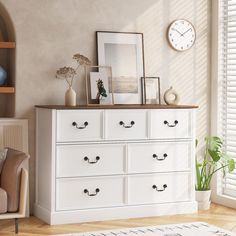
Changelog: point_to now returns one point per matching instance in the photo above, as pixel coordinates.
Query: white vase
(70, 97)
(203, 199)
(171, 97)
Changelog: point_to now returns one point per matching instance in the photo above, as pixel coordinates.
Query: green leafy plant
(214, 160)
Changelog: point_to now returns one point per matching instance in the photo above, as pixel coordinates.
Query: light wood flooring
(218, 215)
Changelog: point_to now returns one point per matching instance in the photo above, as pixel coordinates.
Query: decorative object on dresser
(181, 35)
(124, 52)
(151, 90)
(171, 97)
(89, 152)
(214, 160)
(99, 89)
(68, 73)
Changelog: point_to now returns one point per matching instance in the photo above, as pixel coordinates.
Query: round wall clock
(181, 35)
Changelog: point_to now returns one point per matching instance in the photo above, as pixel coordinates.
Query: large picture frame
(124, 52)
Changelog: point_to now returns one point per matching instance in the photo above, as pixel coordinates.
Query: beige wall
(49, 32)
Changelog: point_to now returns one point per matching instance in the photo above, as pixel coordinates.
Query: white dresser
(114, 162)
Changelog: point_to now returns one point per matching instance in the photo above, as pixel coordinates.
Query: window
(227, 89)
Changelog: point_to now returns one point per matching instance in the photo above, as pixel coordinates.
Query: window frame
(216, 185)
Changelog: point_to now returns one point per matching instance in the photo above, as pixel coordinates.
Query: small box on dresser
(113, 162)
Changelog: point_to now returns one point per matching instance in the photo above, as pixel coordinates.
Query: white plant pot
(203, 199)
(70, 97)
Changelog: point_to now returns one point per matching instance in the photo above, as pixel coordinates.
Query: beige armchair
(14, 186)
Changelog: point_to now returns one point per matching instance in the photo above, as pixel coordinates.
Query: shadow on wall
(188, 71)
(53, 47)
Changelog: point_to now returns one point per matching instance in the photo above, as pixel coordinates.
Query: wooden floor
(218, 215)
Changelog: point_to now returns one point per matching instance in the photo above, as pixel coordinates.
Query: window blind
(228, 88)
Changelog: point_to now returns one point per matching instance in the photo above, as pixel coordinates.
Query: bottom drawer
(79, 193)
(159, 188)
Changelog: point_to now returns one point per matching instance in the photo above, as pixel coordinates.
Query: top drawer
(171, 124)
(79, 125)
(126, 124)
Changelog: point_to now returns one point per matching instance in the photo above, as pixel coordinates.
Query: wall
(49, 32)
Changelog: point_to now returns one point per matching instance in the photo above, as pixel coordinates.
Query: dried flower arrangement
(68, 73)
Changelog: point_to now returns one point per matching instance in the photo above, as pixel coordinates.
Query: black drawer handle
(159, 190)
(86, 191)
(92, 162)
(80, 127)
(127, 126)
(160, 158)
(167, 123)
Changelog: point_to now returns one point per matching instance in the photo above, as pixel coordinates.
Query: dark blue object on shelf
(3, 76)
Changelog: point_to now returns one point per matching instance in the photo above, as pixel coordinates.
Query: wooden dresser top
(125, 106)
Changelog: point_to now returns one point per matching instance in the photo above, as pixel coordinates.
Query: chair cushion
(3, 201)
(10, 177)
(3, 154)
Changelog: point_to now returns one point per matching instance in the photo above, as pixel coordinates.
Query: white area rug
(188, 229)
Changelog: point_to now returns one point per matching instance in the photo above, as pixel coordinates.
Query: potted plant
(214, 160)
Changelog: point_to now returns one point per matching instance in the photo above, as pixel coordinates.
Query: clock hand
(178, 32)
(186, 31)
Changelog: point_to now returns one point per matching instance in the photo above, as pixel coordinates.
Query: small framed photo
(99, 89)
(124, 52)
(151, 90)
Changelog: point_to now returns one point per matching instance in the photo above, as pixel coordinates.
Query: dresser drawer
(159, 188)
(159, 157)
(126, 124)
(79, 125)
(79, 193)
(170, 124)
(94, 159)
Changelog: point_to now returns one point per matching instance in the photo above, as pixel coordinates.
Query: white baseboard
(113, 213)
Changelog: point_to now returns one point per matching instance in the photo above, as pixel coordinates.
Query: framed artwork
(151, 90)
(124, 52)
(99, 89)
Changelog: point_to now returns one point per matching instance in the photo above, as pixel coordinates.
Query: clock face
(181, 35)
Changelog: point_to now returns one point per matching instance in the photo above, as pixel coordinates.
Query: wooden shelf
(7, 90)
(7, 45)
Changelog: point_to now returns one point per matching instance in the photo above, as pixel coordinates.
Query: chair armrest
(23, 192)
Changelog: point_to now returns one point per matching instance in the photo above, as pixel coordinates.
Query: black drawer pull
(160, 158)
(127, 126)
(97, 190)
(92, 162)
(80, 127)
(159, 190)
(167, 123)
